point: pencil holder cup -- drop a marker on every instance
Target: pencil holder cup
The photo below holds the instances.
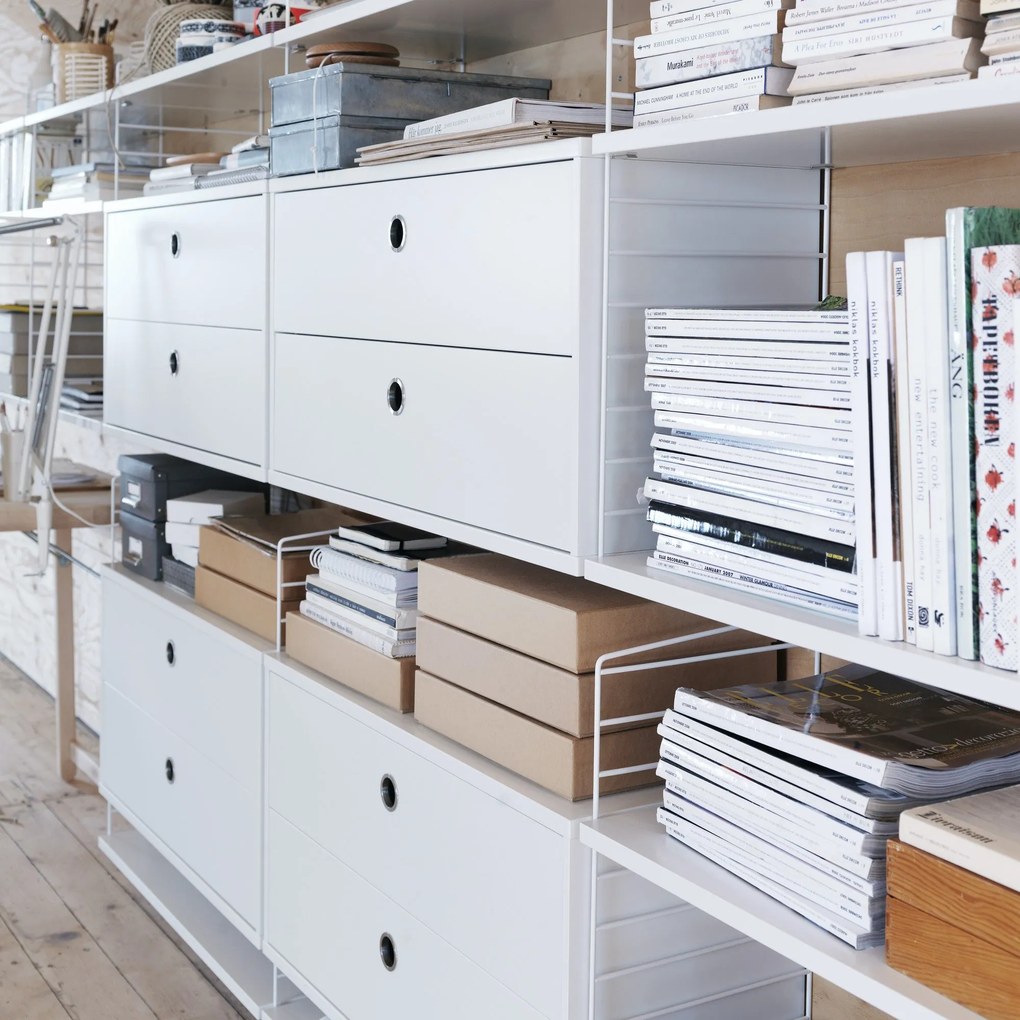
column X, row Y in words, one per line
column 81, row 69
column 12, row 446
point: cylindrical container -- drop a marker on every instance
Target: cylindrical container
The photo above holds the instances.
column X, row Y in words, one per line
column 81, row 69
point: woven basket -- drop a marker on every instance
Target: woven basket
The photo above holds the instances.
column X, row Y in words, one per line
column 81, row 69
column 163, row 30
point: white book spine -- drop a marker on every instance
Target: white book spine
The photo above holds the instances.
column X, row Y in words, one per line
column 720, row 108
column 809, row 332
column 705, row 61
column 877, row 90
column 731, row 316
column 876, row 40
column 918, row 440
column 940, row 465
column 491, row 115
column 709, row 34
column 873, row 19
column 660, row 8
column 1001, row 42
column 995, row 272
column 394, row 649
column 720, row 12
column 857, row 299
column 767, row 433
column 901, row 447
column 800, row 351
column 755, row 81
column 755, row 410
column 787, row 394
column 686, row 367
column 807, row 11
column 910, row 63
column 999, row 70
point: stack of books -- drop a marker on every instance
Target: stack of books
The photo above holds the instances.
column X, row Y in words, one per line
column 89, row 182
column 495, row 125
column 1002, row 43
column 246, row 161
column 954, row 897
column 932, row 330
column 181, row 173
column 185, row 516
column 797, row 786
column 82, row 394
column 704, row 59
column 366, row 587
column 843, row 48
column 753, row 456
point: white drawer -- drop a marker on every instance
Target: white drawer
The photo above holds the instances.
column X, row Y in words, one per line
column 489, row 259
column 204, row 688
column 326, row 925
column 195, row 385
column 209, row 821
column 201, row 264
column 496, row 880
column 483, row 437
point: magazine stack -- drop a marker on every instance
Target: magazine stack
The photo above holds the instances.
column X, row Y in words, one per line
column 843, row 48
column 797, row 786
column 705, row 59
column 753, row 457
column 1002, row 43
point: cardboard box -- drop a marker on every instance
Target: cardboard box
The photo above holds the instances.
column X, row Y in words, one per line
column 250, row 564
column 554, row 760
column 389, row 681
column 240, row 604
column 566, row 700
column 563, row 620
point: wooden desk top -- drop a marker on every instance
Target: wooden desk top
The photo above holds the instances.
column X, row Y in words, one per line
column 91, row 504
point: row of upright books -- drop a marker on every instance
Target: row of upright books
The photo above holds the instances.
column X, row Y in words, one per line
column 932, row 335
column 753, row 451
column 705, row 59
column 797, row 787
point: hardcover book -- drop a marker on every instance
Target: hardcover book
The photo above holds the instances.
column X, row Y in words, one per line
column 771, row 81
column 705, row 61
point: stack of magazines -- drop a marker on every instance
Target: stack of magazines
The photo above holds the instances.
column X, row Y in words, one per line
column 796, row 786
column 753, row 451
column 366, row 587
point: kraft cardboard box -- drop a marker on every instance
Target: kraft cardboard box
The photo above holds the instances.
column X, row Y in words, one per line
column 240, row 604
column 563, row 620
column 554, row 760
column 386, row 680
column 565, row 700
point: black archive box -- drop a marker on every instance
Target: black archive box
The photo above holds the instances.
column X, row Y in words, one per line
column 148, row 480
column 143, row 545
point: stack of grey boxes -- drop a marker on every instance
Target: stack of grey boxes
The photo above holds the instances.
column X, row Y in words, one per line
column 321, row 117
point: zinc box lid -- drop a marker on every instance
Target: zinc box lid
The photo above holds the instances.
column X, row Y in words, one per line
column 560, row 619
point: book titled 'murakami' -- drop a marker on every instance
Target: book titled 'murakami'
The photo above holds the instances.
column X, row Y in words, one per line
column 870, row 725
column 704, row 61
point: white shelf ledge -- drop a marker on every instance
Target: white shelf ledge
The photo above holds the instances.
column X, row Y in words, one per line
column 761, row 615
column 636, row 841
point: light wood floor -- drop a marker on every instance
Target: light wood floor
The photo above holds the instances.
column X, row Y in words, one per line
column 74, row 941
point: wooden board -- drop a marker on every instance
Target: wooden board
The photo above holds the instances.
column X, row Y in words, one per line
column 93, row 505
column 954, row 962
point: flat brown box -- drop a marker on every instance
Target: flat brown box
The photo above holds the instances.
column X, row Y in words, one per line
column 554, row 760
column 249, row 564
column 240, row 604
column 563, row 620
column 954, row 931
column 386, row 680
column 565, row 700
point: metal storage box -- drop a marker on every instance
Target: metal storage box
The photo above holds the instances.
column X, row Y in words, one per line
column 327, row 143
column 143, row 546
column 376, row 91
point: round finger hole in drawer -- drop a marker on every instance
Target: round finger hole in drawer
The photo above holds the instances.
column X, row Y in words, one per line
column 387, row 952
column 168, row 769
column 395, row 396
column 398, row 233
column 388, row 792
column 171, row 653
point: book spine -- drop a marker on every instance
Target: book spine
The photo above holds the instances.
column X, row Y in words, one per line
column 730, row 316
column 665, row 366
column 795, row 352
column 939, row 834
column 348, row 568
column 996, row 274
column 756, row 81
column 342, row 600
column 877, row 90
column 709, row 34
column 875, row 40
column 911, row 62
column 747, row 509
column 917, row 441
column 705, row 61
column 734, row 390
column 392, row 649
column 779, row 542
column 812, row 332
column 857, row 299
column 660, row 8
column 721, row 108
column 721, row 12
column 940, row 467
column 901, row 445
column 1001, row 42
column 880, row 18
column 768, row 433
column 832, row 467
column 491, row 115
column 808, row 11
column 835, row 419
column 999, row 70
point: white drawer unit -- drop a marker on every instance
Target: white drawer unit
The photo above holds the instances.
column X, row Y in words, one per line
column 191, row 807
column 493, row 258
column 202, row 387
column 350, row 946
column 497, row 880
column 483, row 437
column 200, row 263
column 200, row 683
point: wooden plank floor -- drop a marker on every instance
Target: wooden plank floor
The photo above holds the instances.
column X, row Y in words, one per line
column 75, row 941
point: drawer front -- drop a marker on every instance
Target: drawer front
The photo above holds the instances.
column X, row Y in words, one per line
column 483, row 259
column 195, row 385
column 194, row 807
column 496, row 887
column 482, row 437
column 206, row 689
column 201, row 264
column 328, row 925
